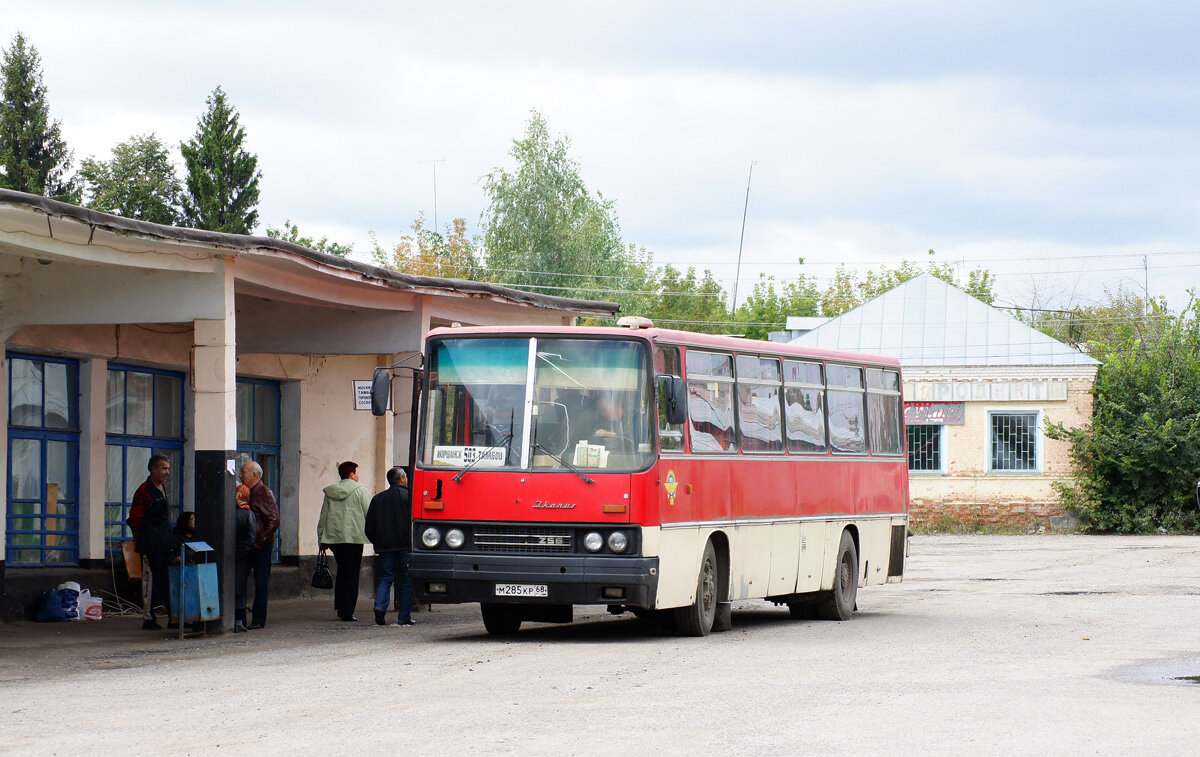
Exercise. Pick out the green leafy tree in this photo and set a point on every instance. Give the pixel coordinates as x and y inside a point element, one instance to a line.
<point>33,154</point>
<point>767,309</point>
<point>222,177</point>
<point>289,233</point>
<point>139,181</point>
<point>543,228</point>
<point>690,301</point>
<point>1136,463</point>
<point>849,289</point>
<point>426,252</point>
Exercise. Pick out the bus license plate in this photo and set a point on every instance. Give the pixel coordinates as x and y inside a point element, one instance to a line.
<point>522,590</point>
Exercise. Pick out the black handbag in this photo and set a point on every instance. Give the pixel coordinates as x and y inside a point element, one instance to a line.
<point>322,575</point>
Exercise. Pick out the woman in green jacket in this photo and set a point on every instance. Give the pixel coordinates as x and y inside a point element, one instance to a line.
<point>341,528</point>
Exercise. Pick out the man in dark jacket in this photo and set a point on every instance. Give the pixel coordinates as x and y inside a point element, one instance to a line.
<point>266,515</point>
<point>389,527</point>
<point>245,531</point>
<point>150,517</point>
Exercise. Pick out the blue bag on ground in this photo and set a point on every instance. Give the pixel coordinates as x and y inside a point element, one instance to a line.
<point>50,607</point>
<point>69,591</point>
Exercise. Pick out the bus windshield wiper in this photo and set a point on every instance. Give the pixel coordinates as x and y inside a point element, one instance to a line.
<point>565,464</point>
<point>504,441</point>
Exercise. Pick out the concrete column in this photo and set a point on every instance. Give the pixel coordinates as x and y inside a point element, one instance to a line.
<point>289,468</point>
<point>214,424</point>
<point>93,400</point>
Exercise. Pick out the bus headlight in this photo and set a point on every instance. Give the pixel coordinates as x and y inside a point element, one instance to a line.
<point>431,537</point>
<point>618,541</point>
<point>593,541</point>
<point>454,538</point>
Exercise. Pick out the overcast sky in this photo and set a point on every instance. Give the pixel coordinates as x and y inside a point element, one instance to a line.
<point>1054,143</point>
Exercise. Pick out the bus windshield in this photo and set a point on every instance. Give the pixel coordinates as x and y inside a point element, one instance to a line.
<point>540,403</point>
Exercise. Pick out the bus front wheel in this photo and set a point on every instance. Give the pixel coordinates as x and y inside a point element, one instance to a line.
<point>697,618</point>
<point>500,620</point>
<point>838,603</point>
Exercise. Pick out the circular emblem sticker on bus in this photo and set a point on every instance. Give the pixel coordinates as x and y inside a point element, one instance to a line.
<point>671,485</point>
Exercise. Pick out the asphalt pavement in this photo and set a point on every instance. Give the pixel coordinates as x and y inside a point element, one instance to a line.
<point>1044,644</point>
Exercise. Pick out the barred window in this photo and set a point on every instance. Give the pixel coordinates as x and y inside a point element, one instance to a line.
<point>1014,441</point>
<point>925,448</point>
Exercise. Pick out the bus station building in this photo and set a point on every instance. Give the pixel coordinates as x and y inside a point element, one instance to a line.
<point>120,339</point>
<point>979,389</point>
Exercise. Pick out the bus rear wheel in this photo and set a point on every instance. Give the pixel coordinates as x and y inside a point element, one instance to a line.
<point>697,618</point>
<point>500,620</point>
<point>838,604</point>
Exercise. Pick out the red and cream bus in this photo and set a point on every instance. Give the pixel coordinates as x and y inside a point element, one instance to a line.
<point>653,470</point>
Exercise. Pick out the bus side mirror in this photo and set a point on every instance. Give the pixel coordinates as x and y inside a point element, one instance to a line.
<point>672,394</point>
<point>381,391</point>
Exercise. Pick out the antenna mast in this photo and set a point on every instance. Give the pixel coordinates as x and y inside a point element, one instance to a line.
<point>738,274</point>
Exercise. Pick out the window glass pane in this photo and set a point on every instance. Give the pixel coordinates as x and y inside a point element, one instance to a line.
<point>666,360</point>
<point>60,395</point>
<point>847,422</point>
<point>710,413</point>
<point>136,471</point>
<point>709,364</point>
<point>476,398</point>
<point>168,407</point>
<point>844,375</point>
<point>173,488</point>
<point>114,411</point>
<point>670,435</point>
<point>884,423</point>
<point>760,418</point>
<point>24,556</point>
<point>61,556</point>
<point>1014,441</point>
<point>245,412</point>
<point>880,379</point>
<point>752,367</point>
<point>266,414</point>
<point>139,403</point>
<point>805,419</point>
<point>592,404</point>
<point>25,393</point>
<point>25,467</point>
<point>60,468</point>
<point>924,448</point>
<point>797,372</point>
<point>113,470</point>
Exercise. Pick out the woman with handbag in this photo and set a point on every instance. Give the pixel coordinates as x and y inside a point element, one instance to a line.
<point>341,528</point>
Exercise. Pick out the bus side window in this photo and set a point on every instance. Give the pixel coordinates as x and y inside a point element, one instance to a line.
<point>670,435</point>
<point>710,402</point>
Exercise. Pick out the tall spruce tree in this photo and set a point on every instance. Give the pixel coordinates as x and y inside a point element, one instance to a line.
<point>33,154</point>
<point>222,177</point>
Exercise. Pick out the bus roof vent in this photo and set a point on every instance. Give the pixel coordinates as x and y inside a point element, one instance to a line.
<point>634,322</point>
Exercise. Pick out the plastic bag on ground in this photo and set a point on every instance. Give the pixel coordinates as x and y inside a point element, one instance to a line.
<point>90,608</point>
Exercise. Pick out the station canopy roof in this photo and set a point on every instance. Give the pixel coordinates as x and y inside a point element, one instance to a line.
<point>927,322</point>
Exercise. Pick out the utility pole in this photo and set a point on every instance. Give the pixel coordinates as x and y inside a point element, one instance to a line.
<point>738,273</point>
<point>1146,275</point>
<point>434,164</point>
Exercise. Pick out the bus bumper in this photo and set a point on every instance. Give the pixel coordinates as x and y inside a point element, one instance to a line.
<point>568,579</point>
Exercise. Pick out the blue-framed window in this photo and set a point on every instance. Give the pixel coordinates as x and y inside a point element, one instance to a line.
<point>42,490</point>
<point>143,417</point>
<point>258,432</point>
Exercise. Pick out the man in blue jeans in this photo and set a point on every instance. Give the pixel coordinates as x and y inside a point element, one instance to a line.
<point>389,527</point>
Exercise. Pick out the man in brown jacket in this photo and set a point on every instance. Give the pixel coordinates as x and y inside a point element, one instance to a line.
<point>266,514</point>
